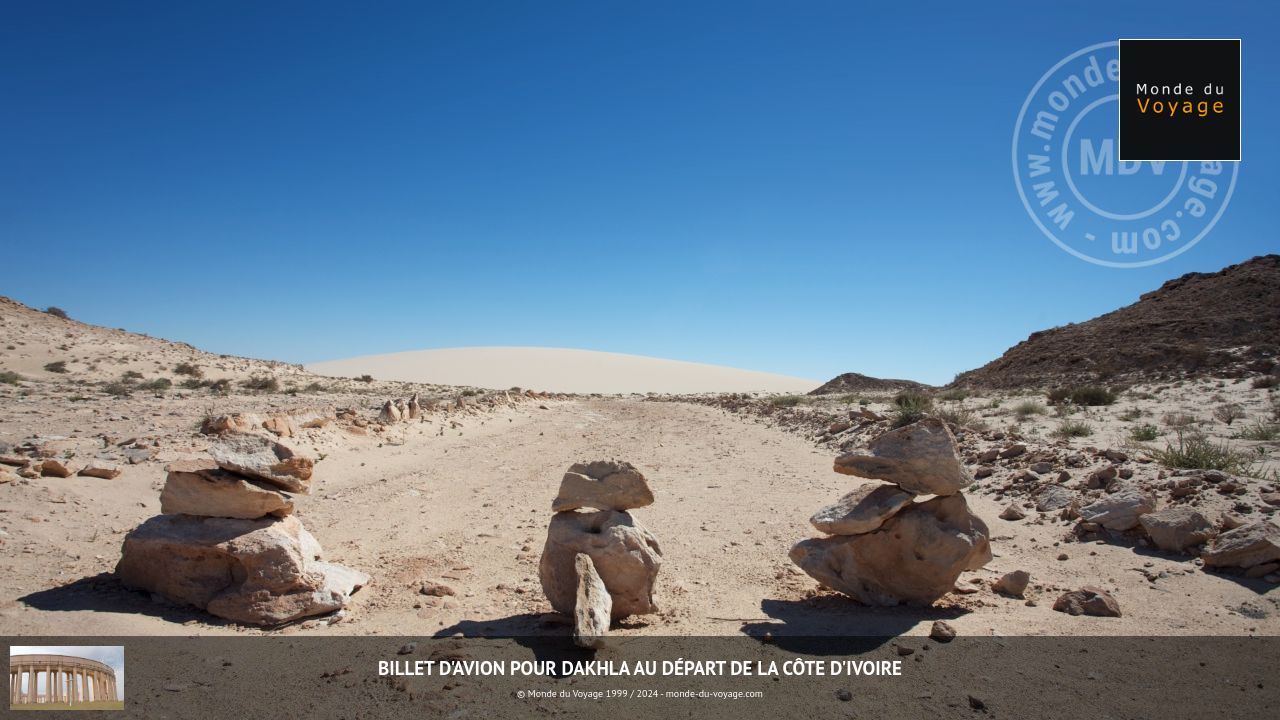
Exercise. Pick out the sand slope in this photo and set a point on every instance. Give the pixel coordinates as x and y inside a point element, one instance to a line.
<point>559,370</point>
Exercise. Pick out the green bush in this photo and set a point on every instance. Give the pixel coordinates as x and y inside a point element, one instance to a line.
<point>188,369</point>
<point>132,375</point>
<point>1194,451</point>
<point>1261,430</point>
<point>9,377</point>
<point>1264,382</point>
<point>58,366</point>
<point>261,383</point>
<point>1145,432</point>
<point>315,387</point>
<point>786,400</point>
<point>954,394</point>
<point>1092,395</point>
<point>57,312</point>
<point>157,385</point>
<point>221,386</point>
<point>365,378</point>
<point>1073,429</point>
<point>1027,408</point>
<point>1057,396</point>
<point>116,388</point>
<point>911,406</point>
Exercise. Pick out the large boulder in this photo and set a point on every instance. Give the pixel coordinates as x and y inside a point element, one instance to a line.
<point>625,555</point>
<point>919,458</point>
<point>1257,543</point>
<point>915,557</point>
<point>200,487</point>
<point>1177,528</point>
<point>593,606</point>
<point>861,511</point>
<point>258,572</point>
<point>261,457</point>
<point>1119,511</point>
<point>603,485</point>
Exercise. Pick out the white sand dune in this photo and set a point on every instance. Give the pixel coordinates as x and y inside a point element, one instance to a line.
<point>559,370</point>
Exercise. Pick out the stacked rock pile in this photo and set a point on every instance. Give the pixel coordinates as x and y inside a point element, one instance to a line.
<point>400,410</point>
<point>885,546</point>
<point>228,543</point>
<point>599,563</point>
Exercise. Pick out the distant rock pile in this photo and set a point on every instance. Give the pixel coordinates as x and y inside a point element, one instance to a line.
<point>599,563</point>
<point>228,543</point>
<point>885,547</point>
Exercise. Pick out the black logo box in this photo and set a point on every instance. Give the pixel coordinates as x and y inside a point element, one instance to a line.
<point>1187,68</point>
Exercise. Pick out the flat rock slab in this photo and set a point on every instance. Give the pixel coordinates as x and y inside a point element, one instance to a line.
<point>257,572</point>
<point>862,510</point>
<point>593,606</point>
<point>1119,511</point>
<point>602,485</point>
<point>200,487</point>
<point>1178,528</point>
<point>1257,543</point>
<point>919,458</point>
<point>103,470</point>
<point>625,555</point>
<point>261,457</point>
<point>914,558</point>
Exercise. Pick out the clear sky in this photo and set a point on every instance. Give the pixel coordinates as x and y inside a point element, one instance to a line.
<point>802,188</point>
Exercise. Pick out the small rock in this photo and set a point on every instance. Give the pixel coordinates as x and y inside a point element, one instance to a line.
<point>942,631</point>
<point>1088,601</point>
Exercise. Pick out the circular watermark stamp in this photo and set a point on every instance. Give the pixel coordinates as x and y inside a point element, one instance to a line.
<point>1107,211</point>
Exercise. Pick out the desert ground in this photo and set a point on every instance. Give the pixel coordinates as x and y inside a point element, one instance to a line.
<point>461,497</point>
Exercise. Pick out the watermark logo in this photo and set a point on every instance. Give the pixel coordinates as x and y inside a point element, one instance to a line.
<point>1109,212</point>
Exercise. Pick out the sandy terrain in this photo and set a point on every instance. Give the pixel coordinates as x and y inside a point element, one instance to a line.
<point>469,508</point>
<point>462,497</point>
<point>559,370</point>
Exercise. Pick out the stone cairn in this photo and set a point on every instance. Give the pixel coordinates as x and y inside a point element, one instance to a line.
<point>885,547</point>
<point>599,563</point>
<point>228,543</point>
<point>400,410</point>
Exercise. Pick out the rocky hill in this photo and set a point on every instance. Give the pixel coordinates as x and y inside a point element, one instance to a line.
<point>1224,324</point>
<point>857,382</point>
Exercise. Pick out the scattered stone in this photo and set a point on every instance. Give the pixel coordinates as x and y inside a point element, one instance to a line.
<point>1244,547</point>
<point>919,458</point>
<point>259,572</point>
<point>593,606</point>
<point>1013,451</point>
<point>1052,497</point>
<point>278,425</point>
<point>603,485</point>
<point>53,467</point>
<point>1041,467</point>
<point>200,487</point>
<point>1088,600</point>
<point>1120,510</point>
<point>1177,528</point>
<point>1013,512</point>
<point>862,510</point>
<point>942,631</point>
<point>1013,583</point>
<point>260,457</point>
<point>435,589</point>
<point>408,649</point>
<point>100,469</point>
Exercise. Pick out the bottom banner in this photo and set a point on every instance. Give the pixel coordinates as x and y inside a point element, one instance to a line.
<point>712,677</point>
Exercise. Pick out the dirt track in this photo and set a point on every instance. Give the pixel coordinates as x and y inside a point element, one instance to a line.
<point>469,509</point>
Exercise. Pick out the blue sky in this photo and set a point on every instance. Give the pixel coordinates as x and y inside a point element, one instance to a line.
<point>802,188</point>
